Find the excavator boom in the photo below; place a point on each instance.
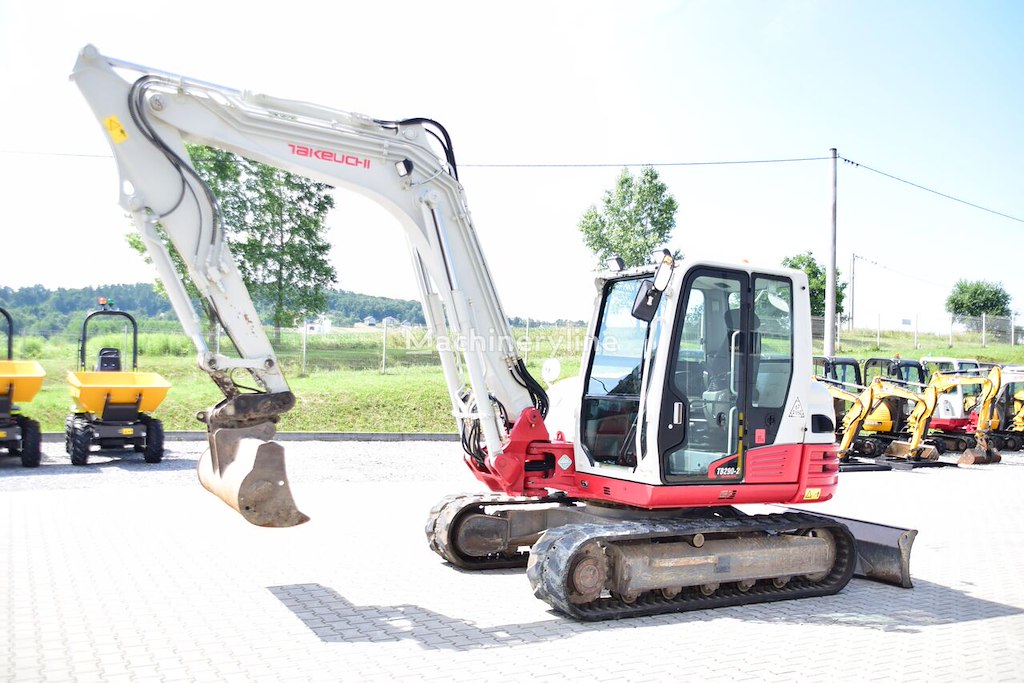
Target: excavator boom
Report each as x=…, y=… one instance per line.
x=148, y=121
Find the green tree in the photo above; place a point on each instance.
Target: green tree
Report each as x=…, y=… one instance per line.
x=282, y=251
x=816, y=280
x=974, y=297
x=274, y=222
x=636, y=217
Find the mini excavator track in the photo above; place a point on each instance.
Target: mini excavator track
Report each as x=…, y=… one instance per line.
x=445, y=520
x=594, y=572
x=593, y=565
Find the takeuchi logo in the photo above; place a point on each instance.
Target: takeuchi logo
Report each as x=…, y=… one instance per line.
x=329, y=155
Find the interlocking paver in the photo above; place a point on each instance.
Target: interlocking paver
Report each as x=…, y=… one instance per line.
x=129, y=571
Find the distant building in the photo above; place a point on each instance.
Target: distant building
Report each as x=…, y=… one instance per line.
x=321, y=325
x=370, y=321
x=391, y=321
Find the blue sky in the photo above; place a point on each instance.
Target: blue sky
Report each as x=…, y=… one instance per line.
x=927, y=91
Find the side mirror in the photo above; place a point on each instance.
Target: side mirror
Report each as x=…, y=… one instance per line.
x=646, y=303
x=649, y=295
x=664, y=272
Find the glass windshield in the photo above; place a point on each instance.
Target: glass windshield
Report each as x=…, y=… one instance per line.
x=619, y=347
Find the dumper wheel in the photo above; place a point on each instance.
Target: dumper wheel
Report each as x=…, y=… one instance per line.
x=1011, y=443
x=68, y=425
x=31, y=442
x=81, y=439
x=154, y=451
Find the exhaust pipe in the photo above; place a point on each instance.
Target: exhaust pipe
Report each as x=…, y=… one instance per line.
x=246, y=470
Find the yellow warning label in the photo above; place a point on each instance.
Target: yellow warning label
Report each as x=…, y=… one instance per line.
x=114, y=129
x=812, y=494
x=127, y=431
x=3, y=435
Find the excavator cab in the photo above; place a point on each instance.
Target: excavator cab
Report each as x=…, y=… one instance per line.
x=903, y=370
x=842, y=372
x=892, y=413
x=955, y=403
x=710, y=377
x=842, y=369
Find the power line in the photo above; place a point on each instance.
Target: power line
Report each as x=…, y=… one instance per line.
x=35, y=153
x=936, y=192
x=893, y=270
x=655, y=164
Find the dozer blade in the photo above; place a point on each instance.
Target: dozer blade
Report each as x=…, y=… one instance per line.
x=902, y=450
x=883, y=552
x=246, y=470
x=979, y=456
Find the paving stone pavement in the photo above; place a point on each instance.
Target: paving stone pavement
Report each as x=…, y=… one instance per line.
x=122, y=571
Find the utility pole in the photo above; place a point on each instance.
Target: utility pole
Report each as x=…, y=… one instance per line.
x=830, y=276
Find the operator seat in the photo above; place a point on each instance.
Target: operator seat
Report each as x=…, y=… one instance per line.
x=718, y=398
x=109, y=360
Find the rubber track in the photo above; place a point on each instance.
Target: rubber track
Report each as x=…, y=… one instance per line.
x=553, y=556
x=445, y=517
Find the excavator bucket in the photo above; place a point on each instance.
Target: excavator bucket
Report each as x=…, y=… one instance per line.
x=979, y=456
x=246, y=470
x=903, y=449
x=883, y=552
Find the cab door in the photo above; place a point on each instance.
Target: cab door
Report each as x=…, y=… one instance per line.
x=706, y=390
x=729, y=375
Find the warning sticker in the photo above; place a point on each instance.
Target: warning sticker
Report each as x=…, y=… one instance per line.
x=115, y=130
x=798, y=408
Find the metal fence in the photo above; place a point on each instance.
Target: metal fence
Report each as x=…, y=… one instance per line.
x=950, y=331
x=381, y=347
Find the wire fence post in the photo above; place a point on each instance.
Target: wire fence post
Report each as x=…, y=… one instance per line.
x=983, y=330
x=878, y=333
x=527, y=355
x=305, y=327
x=1012, y=341
x=917, y=320
x=384, y=350
x=950, y=331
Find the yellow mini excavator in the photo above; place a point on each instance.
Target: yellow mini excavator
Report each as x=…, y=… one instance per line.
x=875, y=425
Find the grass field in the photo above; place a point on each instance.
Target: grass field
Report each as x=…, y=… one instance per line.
x=343, y=388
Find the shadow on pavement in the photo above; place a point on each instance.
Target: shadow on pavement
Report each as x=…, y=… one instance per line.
x=98, y=461
x=334, y=619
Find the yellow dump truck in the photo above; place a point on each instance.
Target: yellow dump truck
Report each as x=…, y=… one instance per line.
x=20, y=381
x=112, y=407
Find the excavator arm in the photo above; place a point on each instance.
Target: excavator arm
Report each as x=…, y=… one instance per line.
x=407, y=166
x=984, y=410
x=863, y=404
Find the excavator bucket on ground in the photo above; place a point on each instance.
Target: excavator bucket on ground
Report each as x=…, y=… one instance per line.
x=980, y=455
x=904, y=450
x=883, y=552
x=246, y=470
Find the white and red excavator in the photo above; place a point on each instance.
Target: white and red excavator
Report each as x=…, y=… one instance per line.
x=696, y=376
